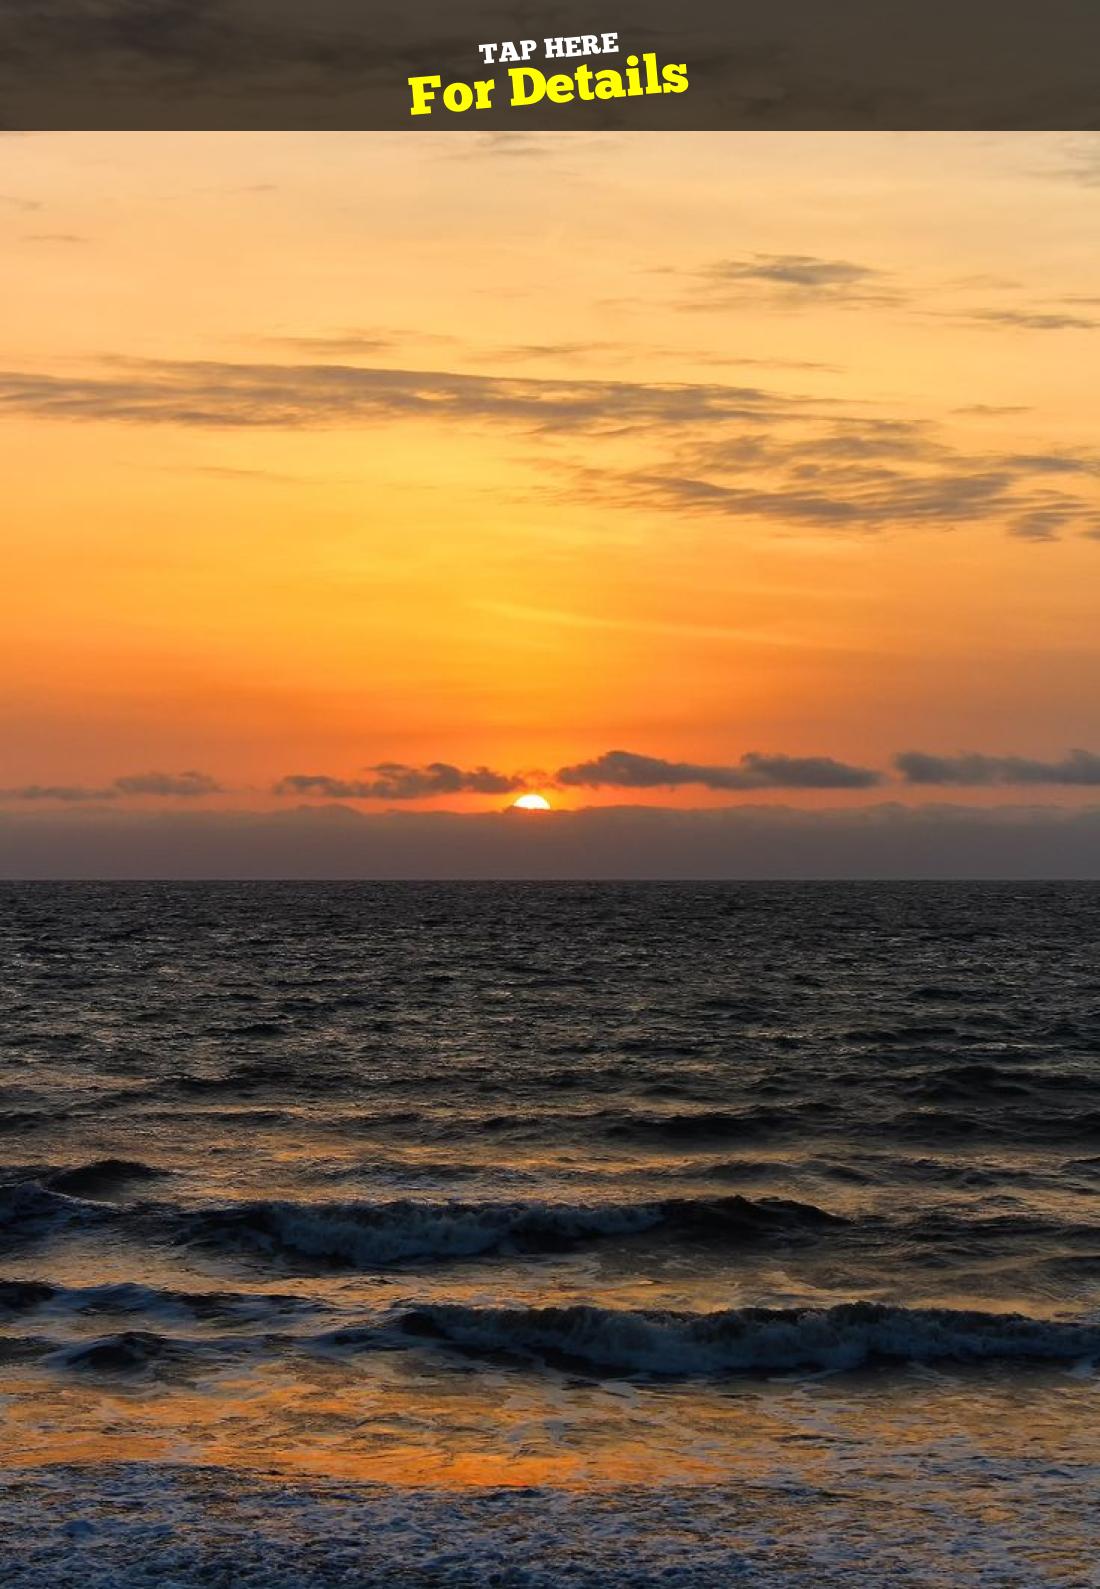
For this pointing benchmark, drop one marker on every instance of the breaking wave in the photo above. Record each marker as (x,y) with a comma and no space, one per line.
(29,1211)
(847,1336)
(19,1298)
(369,1235)
(607,1342)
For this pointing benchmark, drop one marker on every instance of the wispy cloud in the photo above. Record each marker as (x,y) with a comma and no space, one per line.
(790,280)
(506,146)
(1031,319)
(1079,163)
(739,451)
(211,394)
(786,282)
(992,410)
(358,341)
(860,499)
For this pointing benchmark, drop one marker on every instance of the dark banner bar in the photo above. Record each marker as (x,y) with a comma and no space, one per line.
(346,64)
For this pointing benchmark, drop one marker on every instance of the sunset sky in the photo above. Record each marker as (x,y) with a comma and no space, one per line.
(769,456)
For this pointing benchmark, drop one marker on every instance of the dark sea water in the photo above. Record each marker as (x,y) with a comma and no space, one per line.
(539,1235)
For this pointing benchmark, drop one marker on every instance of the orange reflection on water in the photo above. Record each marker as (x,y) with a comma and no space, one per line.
(386,1425)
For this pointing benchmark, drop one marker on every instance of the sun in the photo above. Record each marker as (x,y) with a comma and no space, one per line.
(531,802)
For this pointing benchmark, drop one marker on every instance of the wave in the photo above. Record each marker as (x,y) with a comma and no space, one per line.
(376,1234)
(137,1352)
(101,1177)
(22,1120)
(368,1234)
(606,1342)
(1029,1125)
(29,1211)
(984,1083)
(130,1351)
(847,1336)
(372,1235)
(614,1343)
(20,1298)
(703,1125)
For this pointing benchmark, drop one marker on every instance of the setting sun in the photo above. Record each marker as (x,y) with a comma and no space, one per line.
(531,802)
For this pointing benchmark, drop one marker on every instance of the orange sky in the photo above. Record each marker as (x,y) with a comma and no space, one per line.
(777,443)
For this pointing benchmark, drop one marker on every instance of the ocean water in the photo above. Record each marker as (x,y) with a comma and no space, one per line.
(540,1235)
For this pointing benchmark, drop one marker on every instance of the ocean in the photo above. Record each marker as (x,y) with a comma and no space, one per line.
(539,1235)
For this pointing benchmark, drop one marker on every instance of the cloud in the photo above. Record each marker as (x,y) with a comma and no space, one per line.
(186,785)
(69,794)
(789,279)
(1079,767)
(862,473)
(208,394)
(1053,463)
(396,781)
(786,282)
(614,769)
(848,499)
(624,769)
(740,451)
(1031,319)
(355,342)
(992,410)
(1046,524)
(505,145)
(532,352)
(224,472)
(1082,164)
(801,271)
(632,352)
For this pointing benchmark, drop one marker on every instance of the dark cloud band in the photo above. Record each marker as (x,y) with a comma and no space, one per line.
(396,781)
(1078,768)
(753,842)
(178,785)
(614,769)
